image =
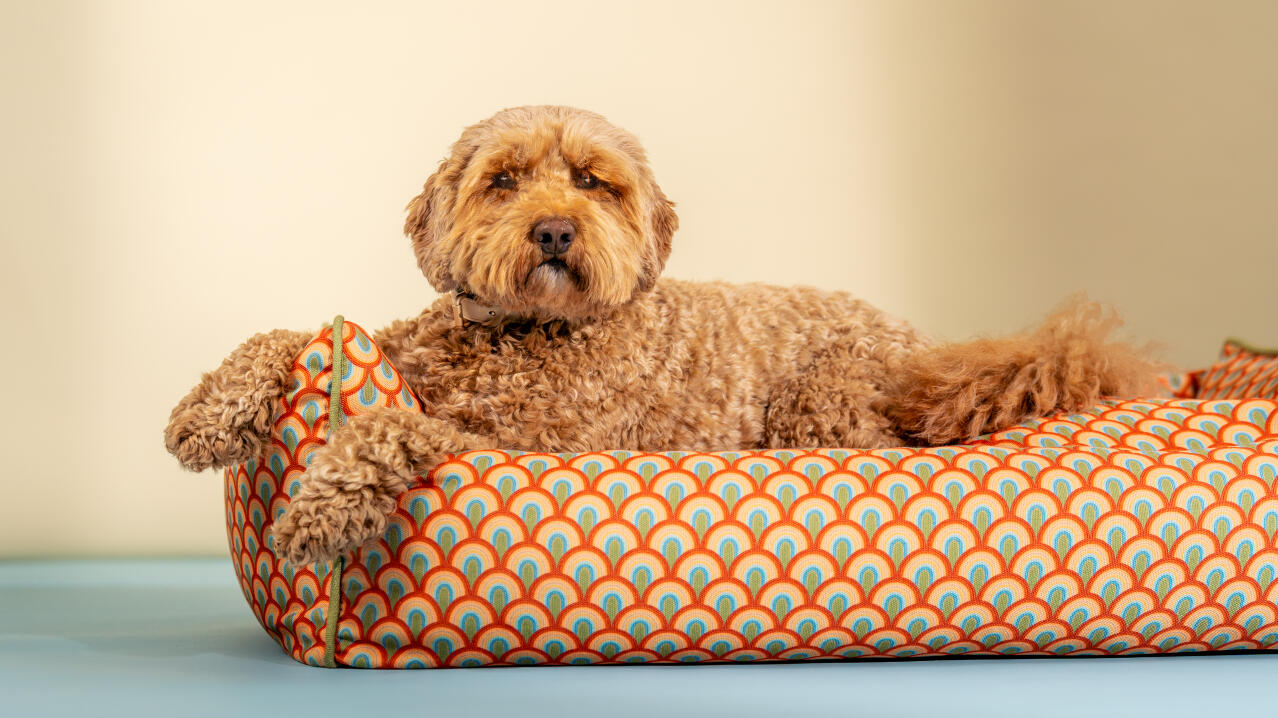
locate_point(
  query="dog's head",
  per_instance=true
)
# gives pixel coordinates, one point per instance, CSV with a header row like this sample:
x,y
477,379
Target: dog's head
x,y
547,212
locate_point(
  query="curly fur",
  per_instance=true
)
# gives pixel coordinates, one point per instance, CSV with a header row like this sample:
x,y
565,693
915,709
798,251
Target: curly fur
x,y
961,390
352,487
597,353
226,417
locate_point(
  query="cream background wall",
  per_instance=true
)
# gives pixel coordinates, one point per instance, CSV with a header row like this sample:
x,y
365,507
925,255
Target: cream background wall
x,y
177,176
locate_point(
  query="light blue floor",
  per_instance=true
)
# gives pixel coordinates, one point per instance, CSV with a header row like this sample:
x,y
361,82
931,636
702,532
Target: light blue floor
x,y
176,638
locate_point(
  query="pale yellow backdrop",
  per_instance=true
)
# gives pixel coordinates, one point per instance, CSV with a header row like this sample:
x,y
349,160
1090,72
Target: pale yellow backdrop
x,y
178,175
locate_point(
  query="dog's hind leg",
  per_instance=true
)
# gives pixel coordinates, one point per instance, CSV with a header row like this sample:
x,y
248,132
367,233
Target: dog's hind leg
x,y
831,403
955,392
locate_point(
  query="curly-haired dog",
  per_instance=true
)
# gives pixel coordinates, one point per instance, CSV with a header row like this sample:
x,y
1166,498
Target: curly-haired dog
x,y
548,231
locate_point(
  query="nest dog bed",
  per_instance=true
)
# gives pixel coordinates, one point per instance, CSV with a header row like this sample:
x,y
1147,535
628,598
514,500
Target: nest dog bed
x,y
1135,527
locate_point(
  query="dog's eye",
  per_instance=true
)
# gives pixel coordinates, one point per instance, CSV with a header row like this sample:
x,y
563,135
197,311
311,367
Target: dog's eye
x,y
584,180
503,180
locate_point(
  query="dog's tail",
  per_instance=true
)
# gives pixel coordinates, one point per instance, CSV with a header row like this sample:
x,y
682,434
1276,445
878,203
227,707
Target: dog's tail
x,y
954,392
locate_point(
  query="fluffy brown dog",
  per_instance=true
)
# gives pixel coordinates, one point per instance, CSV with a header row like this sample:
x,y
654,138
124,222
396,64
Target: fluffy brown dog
x,y
548,230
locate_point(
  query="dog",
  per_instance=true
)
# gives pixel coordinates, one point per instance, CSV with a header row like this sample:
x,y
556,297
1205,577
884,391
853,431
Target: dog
x,y
547,233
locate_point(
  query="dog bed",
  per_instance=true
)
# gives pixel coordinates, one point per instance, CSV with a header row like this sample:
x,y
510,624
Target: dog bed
x,y
1134,527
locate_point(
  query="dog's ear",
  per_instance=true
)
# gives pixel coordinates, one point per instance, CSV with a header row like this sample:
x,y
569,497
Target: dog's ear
x,y
430,219
662,223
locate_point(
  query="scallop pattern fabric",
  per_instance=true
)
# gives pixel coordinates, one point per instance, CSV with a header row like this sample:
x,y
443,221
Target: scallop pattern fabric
x,y
1240,372
1180,385
1135,527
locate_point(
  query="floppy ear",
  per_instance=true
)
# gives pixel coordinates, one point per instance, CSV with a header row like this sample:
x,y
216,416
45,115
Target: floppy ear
x,y
430,219
426,223
662,223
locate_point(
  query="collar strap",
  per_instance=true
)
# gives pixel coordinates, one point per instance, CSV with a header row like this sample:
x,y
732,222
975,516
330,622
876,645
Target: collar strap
x,y
468,309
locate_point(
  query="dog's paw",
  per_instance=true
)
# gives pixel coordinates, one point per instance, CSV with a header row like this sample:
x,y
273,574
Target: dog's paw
x,y
227,417
200,444
318,530
338,509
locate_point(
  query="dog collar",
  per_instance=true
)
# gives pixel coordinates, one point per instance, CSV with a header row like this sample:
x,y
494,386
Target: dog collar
x,y
470,310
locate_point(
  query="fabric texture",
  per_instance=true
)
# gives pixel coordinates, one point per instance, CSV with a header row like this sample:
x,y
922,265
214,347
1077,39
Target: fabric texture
x,y
1134,527
1180,385
336,418
1241,372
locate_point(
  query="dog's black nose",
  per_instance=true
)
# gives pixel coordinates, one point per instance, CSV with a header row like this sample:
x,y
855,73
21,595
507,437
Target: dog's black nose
x,y
554,235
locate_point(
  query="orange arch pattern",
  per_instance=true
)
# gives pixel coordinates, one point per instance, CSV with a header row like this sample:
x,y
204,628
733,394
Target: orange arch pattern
x,y
1240,371
1136,527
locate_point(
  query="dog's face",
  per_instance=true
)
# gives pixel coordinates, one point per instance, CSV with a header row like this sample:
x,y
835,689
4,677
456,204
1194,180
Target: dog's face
x,y
546,212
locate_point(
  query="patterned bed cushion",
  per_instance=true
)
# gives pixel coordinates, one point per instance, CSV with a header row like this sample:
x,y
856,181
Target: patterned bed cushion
x,y
1179,385
1135,527
1241,372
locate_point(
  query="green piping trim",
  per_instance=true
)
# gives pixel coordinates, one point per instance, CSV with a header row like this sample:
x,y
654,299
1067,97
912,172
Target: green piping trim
x,y
336,417
332,614
1250,349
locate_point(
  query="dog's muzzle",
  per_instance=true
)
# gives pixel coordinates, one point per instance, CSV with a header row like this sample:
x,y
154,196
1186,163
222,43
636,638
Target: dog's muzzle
x,y
554,236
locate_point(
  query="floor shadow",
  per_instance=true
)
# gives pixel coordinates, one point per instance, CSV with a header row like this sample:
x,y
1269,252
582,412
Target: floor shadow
x,y
144,622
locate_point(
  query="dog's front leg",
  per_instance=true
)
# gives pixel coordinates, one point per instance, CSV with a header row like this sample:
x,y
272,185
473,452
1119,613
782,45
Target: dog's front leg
x,y
353,484
227,417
